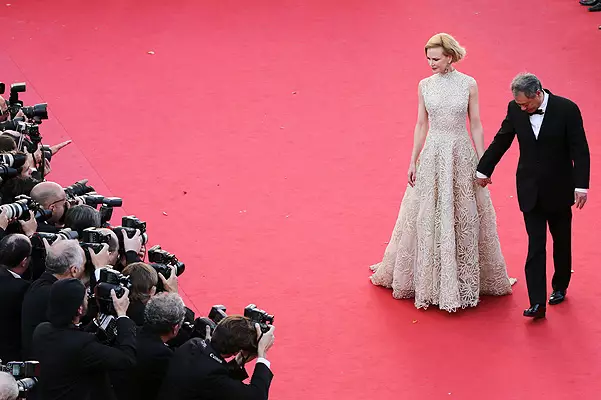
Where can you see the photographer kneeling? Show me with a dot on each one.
(74, 364)
(199, 370)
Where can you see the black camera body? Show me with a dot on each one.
(198, 328)
(108, 280)
(162, 261)
(128, 227)
(259, 316)
(22, 369)
(94, 235)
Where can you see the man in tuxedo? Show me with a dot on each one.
(73, 363)
(552, 175)
(199, 370)
(15, 252)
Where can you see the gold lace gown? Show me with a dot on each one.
(445, 248)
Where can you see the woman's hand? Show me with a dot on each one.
(411, 175)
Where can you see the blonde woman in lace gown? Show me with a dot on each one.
(445, 248)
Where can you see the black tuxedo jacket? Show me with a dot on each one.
(144, 381)
(12, 291)
(35, 305)
(550, 167)
(197, 372)
(74, 365)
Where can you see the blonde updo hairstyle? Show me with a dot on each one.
(450, 46)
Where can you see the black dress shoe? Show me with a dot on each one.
(557, 297)
(588, 2)
(537, 311)
(596, 7)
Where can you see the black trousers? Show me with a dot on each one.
(560, 226)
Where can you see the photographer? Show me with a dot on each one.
(73, 364)
(144, 281)
(21, 184)
(82, 216)
(51, 196)
(199, 370)
(64, 259)
(163, 318)
(8, 387)
(15, 252)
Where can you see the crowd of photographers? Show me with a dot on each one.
(87, 311)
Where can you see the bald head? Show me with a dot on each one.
(47, 193)
(8, 387)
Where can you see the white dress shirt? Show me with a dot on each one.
(14, 274)
(536, 121)
(264, 361)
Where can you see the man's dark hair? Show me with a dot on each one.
(234, 333)
(81, 217)
(14, 249)
(7, 144)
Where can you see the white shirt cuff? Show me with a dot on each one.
(480, 175)
(264, 361)
(581, 190)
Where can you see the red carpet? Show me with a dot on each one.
(275, 135)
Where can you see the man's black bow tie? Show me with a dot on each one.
(539, 112)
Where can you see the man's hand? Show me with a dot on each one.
(170, 284)
(483, 181)
(30, 226)
(133, 244)
(3, 220)
(266, 341)
(57, 147)
(121, 304)
(101, 259)
(580, 199)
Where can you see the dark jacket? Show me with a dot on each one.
(12, 292)
(196, 371)
(144, 380)
(550, 167)
(34, 309)
(74, 365)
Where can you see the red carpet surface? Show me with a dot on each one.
(266, 144)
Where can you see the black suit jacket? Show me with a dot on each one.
(550, 167)
(12, 292)
(35, 305)
(74, 365)
(196, 371)
(144, 380)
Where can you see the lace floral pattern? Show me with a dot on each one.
(445, 248)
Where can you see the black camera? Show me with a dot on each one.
(13, 160)
(7, 173)
(21, 207)
(128, 227)
(259, 316)
(22, 369)
(162, 260)
(94, 235)
(79, 188)
(37, 242)
(37, 112)
(108, 280)
(198, 328)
